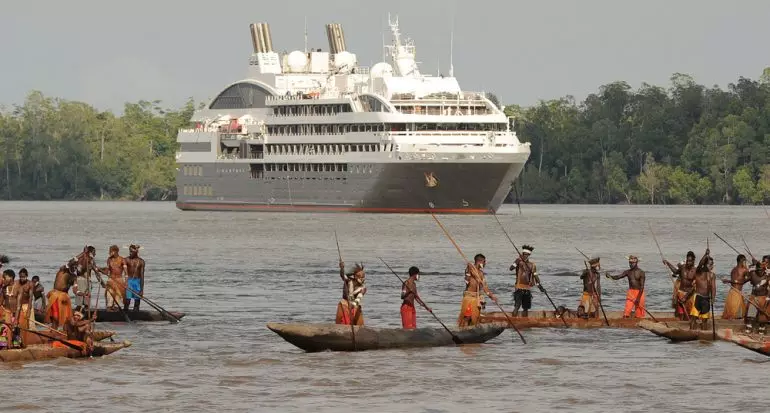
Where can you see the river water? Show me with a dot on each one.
(234, 272)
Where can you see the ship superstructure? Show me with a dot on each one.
(312, 130)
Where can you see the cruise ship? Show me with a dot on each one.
(312, 130)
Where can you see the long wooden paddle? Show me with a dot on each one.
(727, 243)
(713, 296)
(422, 303)
(102, 283)
(66, 343)
(510, 321)
(527, 264)
(596, 286)
(170, 317)
(663, 258)
(350, 306)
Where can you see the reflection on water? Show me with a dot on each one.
(234, 272)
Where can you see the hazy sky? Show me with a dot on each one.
(110, 52)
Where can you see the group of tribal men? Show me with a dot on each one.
(18, 298)
(692, 299)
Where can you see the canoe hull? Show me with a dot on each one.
(679, 331)
(335, 337)
(32, 338)
(747, 342)
(546, 319)
(38, 352)
(104, 316)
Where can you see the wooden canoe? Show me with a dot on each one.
(544, 319)
(38, 352)
(337, 337)
(105, 316)
(31, 338)
(749, 342)
(679, 331)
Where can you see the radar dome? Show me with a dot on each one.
(344, 58)
(297, 61)
(382, 69)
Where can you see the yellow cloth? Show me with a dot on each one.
(117, 289)
(735, 305)
(59, 309)
(470, 309)
(696, 313)
(752, 311)
(588, 301)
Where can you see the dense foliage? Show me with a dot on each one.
(687, 144)
(56, 149)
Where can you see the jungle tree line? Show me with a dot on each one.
(685, 144)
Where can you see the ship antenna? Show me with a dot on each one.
(451, 52)
(305, 34)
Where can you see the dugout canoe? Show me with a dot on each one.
(546, 319)
(748, 342)
(37, 352)
(337, 337)
(679, 331)
(105, 316)
(32, 338)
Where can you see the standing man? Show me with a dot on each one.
(475, 283)
(59, 309)
(683, 297)
(25, 292)
(408, 295)
(589, 301)
(38, 292)
(759, 278)
(115, 290)
(135, 274)
(526, 277)
(353, 291)
(635, 294)
(735, 306)
(705, 290)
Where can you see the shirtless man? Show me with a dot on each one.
(24, 293)
(115, 290)
(705, 287)
(82, 286)
(735, 306)
(408, 295)
(475, 283)
(759, 278)
(135, 274)
(38, 291)
(589, 301)
(7, 297)
(79, 329)
(526, 277)
(3, 260)
(635, 294)
(683, 297)
(59, 308)
(349, 309)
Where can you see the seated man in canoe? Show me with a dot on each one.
(705, 290)
(588, 307)
(475, 284)
(735, 305)
(59, 308)
(349, 308)
(135, 277)
(635, 294)
(79, 332)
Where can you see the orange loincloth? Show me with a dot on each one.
(344, 315)
(59, 309)
(470, 309)
(631, 297)
(735, 305)
(408, 316)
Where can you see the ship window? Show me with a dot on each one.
(241, 96)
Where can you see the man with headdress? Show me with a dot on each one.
(635, 294)
(135, 277)
(59, 308)
(526, 277)
(735, 306)
(349, 309)
(475, 283)
(78, 331)
(705, 287)
(115, 289)
(683, 296)
(82, 286)
(588, 307)
(756, 312)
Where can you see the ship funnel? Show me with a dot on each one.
(336, 38)
(260, 37)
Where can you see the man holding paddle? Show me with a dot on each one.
(635, 294)
(735, 306)
(705, 291)
(526, 278)
(475, 282)
(683, 287)
(408, 295)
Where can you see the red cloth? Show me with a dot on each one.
(631, 297)
(408, 316)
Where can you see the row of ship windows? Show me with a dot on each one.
(192, 170)
(198, 190)
(311, 110)
(327, 149)
(319, 167)
(332, 129)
